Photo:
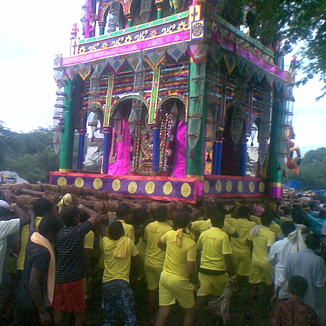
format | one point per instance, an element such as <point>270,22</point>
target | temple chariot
<point>171,96</point>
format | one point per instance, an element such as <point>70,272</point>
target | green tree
<point>313,169</point>
<point>29,154</point>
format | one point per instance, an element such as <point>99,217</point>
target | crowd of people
<point>195,257</point>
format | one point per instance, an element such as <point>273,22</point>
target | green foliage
<point>289,23</point>
<point>313,169</point>
<point>29,154</point>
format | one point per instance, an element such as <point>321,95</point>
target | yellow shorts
<point>175,288</point>
<point>153,277</point>
<point>261,272</point>
<point>211,284</point>
<point>242,263</point>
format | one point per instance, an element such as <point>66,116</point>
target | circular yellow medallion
<point>229,186</point>
<point>218,186</point>
<point>132,187</point>
<point>79,182</point>
<point>240,186</point>
<point>168,188</point>
<point>251,186</point>
<point>97,183</point>
<point>62,181</point>
<point>185,190</point>
<point>206,187</point>
<point>116,184</point>
<point>261,186</point>
<point>150,187</point>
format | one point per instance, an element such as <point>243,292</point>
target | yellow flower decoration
<point>185,190</point>
<point>251,186</point>
<point>97,183</point>
<point>240,186</point>
<point>206,186</point>
<point>261,186</point>
<point>132,187</point>
<point>79,182</point>
<point>62,181</point>
<point>150,187</point>
<point>218,186</point>
<point>168,188</point>
<point>229,186</point>
<point>116,184</point>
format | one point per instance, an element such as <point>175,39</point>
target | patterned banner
<point>107,110</point>
<point>154,95</point>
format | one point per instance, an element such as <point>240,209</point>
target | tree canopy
<point>29,154</point>
<point>313,169</point>
<point>291,24</point>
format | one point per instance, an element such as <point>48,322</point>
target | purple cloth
<point>121,166</point>
<point>180,151</point>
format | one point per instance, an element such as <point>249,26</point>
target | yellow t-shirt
<point>129,230</point>
<point>264,239</point>
<point>24,237</point>
<point>255,219</point>
<point>276,229</point>
<point>214,243</point>
<point>89,240</point>
<point>203,225</point>
<point>154,256</point>
<point>176,257</point>
<point>116,268</point>
<point>243,227</point>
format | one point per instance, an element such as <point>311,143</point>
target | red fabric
<point>69,296</point>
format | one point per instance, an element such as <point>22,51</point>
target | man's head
<point>123,212</point>
<point>116,230</point>
<point>312,241</point>
<point>49,227</point>
<point>70,216</point>
<point>298,286</point>
<point>42,206</point>
<point>217,216</point>
<point>5,214</point>
<point>266,218</point>
<point>182,220</point>
<point>160,213</point>
<point>243,212</point>
<point>287,228</point>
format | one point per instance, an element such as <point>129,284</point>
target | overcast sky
<point>32,32</point>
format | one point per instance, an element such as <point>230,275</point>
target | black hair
<point>123,210</point>
<point>182,220</point>
<point>312,241</point>
<point>68,215</point>
<point>160,213</point>
<point>217,216</point>
<point>42,206</point>
<point>49,224</point>
<point>298,286</point>
<point>5,214</point>
<point>243,212</point>
<point>287,227</point>
<point>266,218</point>
<point>139,216</point>
<point>116,230</point>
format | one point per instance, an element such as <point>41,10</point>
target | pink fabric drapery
<point>122,163</point>
<point>180,151</point>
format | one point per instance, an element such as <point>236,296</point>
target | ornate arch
<point>126,6</point>
<point>176,97</point>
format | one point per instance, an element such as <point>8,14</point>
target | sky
<point>32,32</point>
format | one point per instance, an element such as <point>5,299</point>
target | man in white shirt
<point>281,249</point>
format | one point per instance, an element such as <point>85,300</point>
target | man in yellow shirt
<point>118,298</point>
<point>124,214</point>
<point>41,207</point>
<point>241,253</point>
<point>261,238</point>
<point>179,276</point>
<point>154,256</point>
<point>216,262</point>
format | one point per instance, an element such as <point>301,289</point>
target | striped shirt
<point>69,248</point>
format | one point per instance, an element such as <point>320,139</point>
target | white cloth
<point>6,228</point>
<point>281,250</point>
<point>4,204</point>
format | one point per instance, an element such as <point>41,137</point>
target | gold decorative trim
<point>62,181</point>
